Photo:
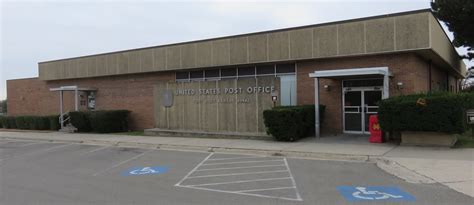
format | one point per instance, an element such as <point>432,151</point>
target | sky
<point>35,31</point>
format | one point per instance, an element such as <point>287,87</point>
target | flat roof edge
<point>253,33</point>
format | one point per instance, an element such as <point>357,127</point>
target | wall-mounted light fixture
<point>327,87</point>
<point>400,85</point>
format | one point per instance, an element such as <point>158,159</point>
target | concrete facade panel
<point>246,106</point>
<point>238,50</point>
<point>123,59</point>
<point>190,109</point>
<point>325,41</point>
<point>146,60</point>
<point>101,65</point>
<point>221,52</point>
<point>278,46</point>
<point>264,101</point>
<point>226,108</point>
<point>112,64</point>
<point>301,42</point>
<point>159,59</point>
<point>188,55</point>
<point>91,66</point>
<point>175,117</point>
<point>412,31</point>
<point>204,54</point>
<point>442,45</point>
<point>82,68</point>
<point>380,35</point>
<point>134,62</point>
<point>208,104</point>
<point>351,37</point>
<point>258,48</point>
<point>160,110</point>
<point>173,57</point>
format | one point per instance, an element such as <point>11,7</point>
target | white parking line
<point>233,177</point>
<point>243,162</point>
<point>33,143</point>
<point>278,165</point>
<point>293,181</point>
<point>237,182</point>
<point>120,163</point>
<point>194,169</point>
<point>276,188</point>
<point>94,150</point>
<point>247,194</point>
<point>231,158</point>
<point>235,174</point>
<point>37,152</point>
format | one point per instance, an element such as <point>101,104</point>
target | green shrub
<point>42,123</point>
<point>53,122</point>
<point>290,123</point>
<point>31,122</point>
<point>81,120</point>
<point>11,122</point>
<point>108,121</point>
<point>443,112</point>
<point>3,121</point>
<point>21,122</point>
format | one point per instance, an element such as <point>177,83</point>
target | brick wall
<point>135,92</point>
<point>407,68</point>
<point>132,92</point>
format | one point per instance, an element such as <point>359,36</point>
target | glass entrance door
<point>358,105</point>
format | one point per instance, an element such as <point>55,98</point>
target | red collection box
<point>374,129</point>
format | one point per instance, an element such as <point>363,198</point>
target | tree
<point>459,17</point>
<point>3,106</point>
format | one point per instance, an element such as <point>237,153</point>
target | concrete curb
<point>265,152</point>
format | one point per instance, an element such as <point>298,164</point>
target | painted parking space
<point>374,193</point>
<point>148,170</point>
<point>267,177</point>
<point>89,174</point>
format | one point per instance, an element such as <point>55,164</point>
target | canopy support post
<point>316,108</point>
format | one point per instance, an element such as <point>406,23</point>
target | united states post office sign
<point>470,116</point>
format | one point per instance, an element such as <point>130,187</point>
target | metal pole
<point>385,93</point>
<point>61,108</point>
<point>316,108</point>
<point>76,105</point>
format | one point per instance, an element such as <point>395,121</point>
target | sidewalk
<point>451,167</point>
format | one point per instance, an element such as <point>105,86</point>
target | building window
<point>208,74</point>
<point>246,72</point>
<point>285,68</point>
<point>196,75</point>
<point>229,73</point>
<point>182,76</point>
<point>287,90</point>
<point>241,72</point>
<point>266,70</point>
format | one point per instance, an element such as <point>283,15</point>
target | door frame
<point>362,109</point>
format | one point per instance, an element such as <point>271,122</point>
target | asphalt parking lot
<point>38,172</point>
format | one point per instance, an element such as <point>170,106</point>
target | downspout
<point>429,75</point>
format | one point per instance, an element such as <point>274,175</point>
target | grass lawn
<point>465,140</point>
<point>132,133</point>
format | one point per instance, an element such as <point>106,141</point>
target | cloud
<point>35,31</point>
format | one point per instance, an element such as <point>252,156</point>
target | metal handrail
<point>62,120</point>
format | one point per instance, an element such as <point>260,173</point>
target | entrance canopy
<point>346,73</point>
<point>76,90</point>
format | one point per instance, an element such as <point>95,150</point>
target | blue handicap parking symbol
<point>374,193</point>
<point>145,170</point>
